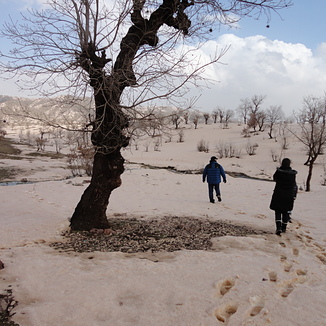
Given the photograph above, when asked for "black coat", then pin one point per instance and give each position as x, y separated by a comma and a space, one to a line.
285, 190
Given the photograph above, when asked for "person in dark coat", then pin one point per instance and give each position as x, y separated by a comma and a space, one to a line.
284, 194
213, 172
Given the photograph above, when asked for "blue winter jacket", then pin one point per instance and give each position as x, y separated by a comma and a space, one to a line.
213, 171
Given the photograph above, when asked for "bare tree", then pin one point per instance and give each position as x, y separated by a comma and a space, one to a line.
215, 115
260, 118
221, 113
124, 56
41, 141
257, 101
228, 115
195, 116
273, 115
176, 118
206, 117
284, 133
186, 117
312, 121
257, 116
244, 109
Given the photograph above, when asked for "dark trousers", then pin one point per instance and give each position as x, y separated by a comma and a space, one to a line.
281, 219
211, 187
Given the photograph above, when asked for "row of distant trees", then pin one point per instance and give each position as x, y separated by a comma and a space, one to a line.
249, 112
218, 115
311, 119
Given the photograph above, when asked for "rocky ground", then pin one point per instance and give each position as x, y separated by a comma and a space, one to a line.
171, 233
7, 304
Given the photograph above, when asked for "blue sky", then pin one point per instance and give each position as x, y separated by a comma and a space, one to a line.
304, 22
285, 62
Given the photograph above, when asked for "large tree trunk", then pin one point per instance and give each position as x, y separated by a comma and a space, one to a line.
108, 135
91, 209
108, 139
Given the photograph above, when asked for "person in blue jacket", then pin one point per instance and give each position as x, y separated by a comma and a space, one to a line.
213, 173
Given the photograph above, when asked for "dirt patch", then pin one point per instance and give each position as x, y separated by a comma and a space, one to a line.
9, 173
51, 155
7, 148
166, 234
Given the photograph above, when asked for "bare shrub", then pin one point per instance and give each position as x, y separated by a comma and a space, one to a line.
246, 132
181, 136
157, 144
80, 160
275, 157
146, 145
169, 138
251, 148
238, 153
225, 150
202, 146
220, 150
26, 137
285, 143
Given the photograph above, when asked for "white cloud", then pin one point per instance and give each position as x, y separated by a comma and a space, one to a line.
256, 65
284, 72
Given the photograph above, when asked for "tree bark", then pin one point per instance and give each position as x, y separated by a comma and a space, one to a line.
91, 209
313, 158
309, 176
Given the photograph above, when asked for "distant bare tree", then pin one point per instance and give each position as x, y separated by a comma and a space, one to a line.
284, 133
41, 140
221, 113
260, 118
252, 122
176, 118
195, 118
206, 117
257, 116
215, 115
186, 117
312, 121
257, 101
244, 109
273, 115
228, 115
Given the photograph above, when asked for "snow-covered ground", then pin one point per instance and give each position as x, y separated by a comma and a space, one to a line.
254, 280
